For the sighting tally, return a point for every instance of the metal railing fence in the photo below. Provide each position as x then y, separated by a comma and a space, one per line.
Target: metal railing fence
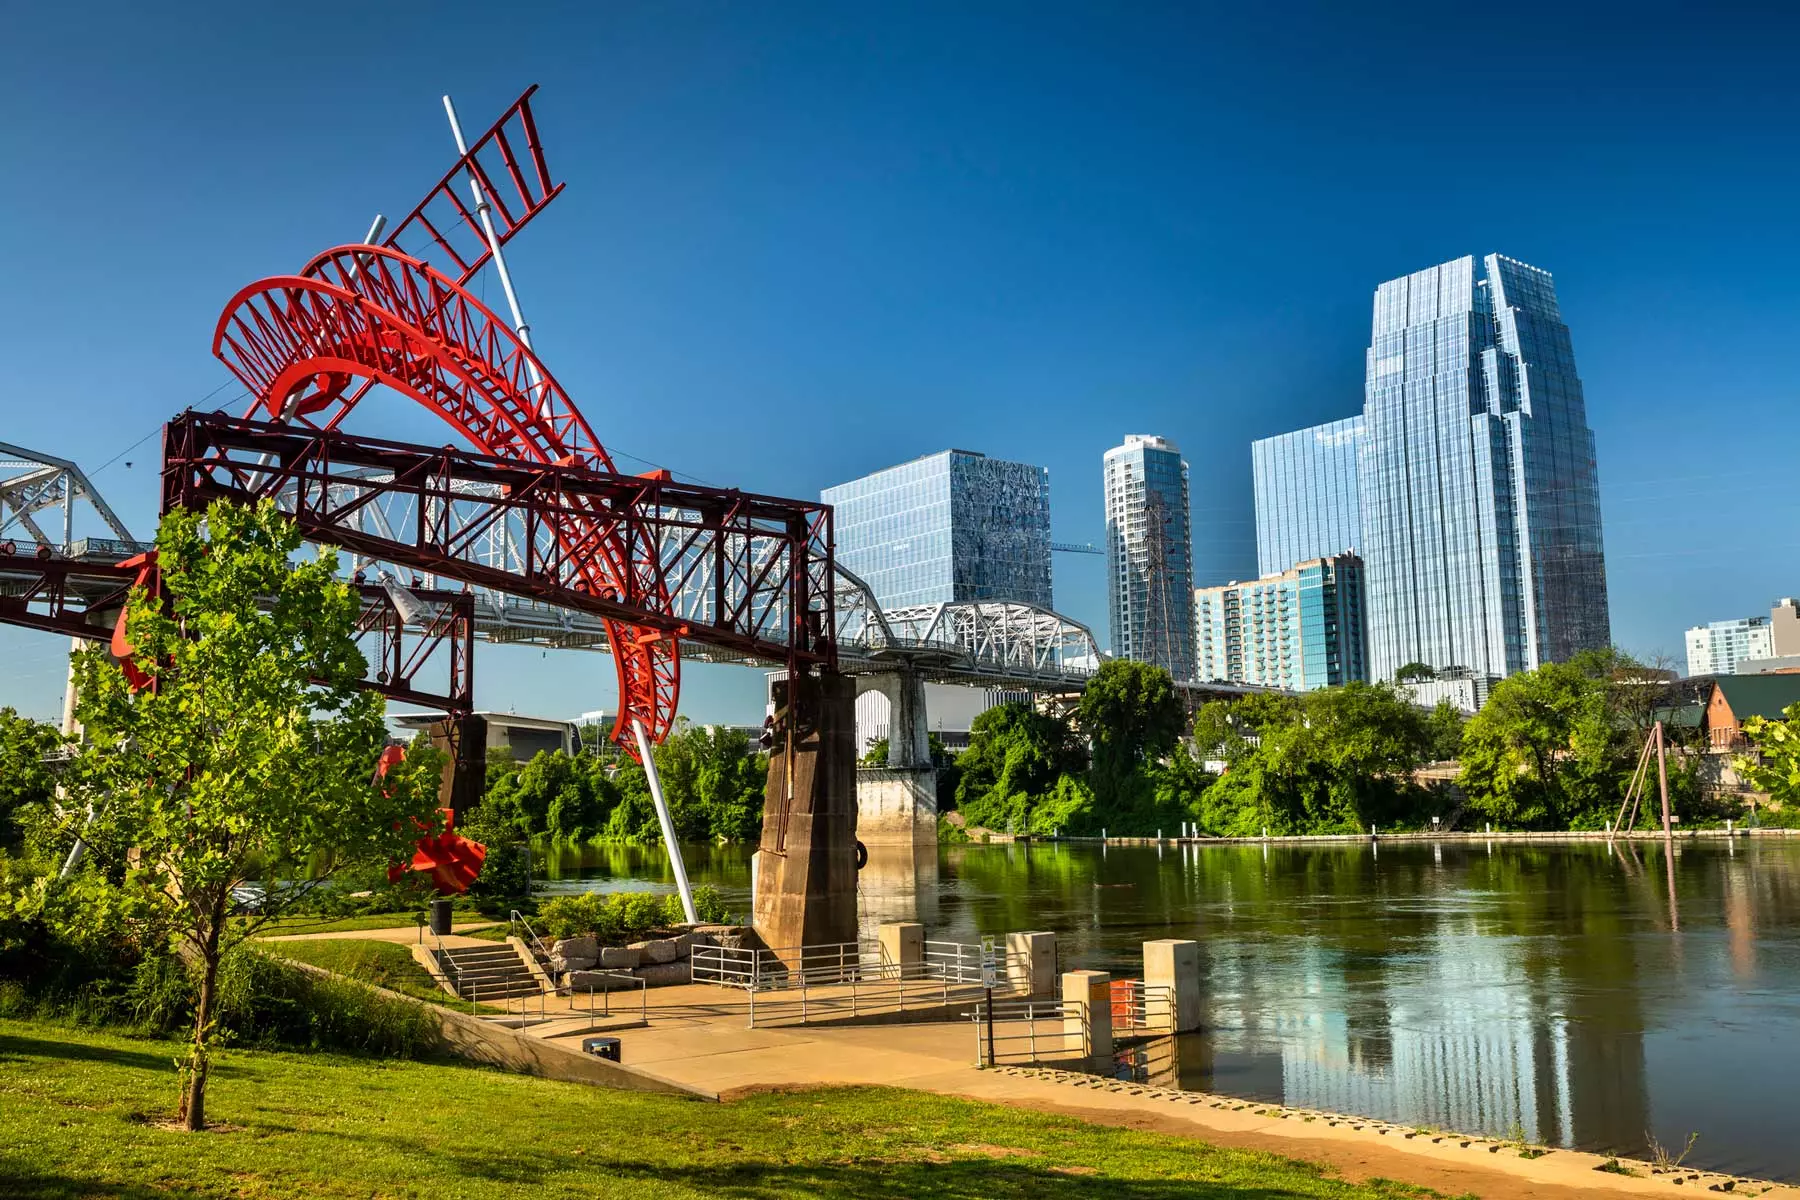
1025, 1031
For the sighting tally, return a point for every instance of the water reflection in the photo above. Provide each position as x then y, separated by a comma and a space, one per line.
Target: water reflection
1578, 994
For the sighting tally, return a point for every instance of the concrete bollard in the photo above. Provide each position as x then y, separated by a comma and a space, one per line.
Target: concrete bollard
1174, 964
1087, 1012
903, 946
1031, 963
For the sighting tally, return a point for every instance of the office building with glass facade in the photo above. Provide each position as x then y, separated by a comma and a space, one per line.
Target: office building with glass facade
950, 527
1149, 554
1307, 503
1299, 629
1479, 491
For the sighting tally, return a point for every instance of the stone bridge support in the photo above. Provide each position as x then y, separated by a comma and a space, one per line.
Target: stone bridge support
805, 870
897, 803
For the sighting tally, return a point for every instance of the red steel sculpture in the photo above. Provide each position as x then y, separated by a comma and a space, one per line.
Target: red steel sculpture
311, 347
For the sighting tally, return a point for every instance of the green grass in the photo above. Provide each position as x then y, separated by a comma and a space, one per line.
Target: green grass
77, 1108
384, 964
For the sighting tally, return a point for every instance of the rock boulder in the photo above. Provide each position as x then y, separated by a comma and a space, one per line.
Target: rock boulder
620, 958
656, 950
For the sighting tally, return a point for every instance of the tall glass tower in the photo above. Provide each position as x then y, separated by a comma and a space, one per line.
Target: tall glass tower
949, 527
1480, 496
1149, 554
1306, 494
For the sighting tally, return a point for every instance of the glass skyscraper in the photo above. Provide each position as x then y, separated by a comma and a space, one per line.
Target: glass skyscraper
1306, 497
1479, 492
1299, 629
1149, 554
950, 527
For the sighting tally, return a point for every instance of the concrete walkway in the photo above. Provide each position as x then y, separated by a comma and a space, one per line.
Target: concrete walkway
698, 1035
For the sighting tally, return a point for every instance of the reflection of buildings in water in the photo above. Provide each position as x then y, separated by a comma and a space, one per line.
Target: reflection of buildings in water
1740, 917
898, 883
1460, 1037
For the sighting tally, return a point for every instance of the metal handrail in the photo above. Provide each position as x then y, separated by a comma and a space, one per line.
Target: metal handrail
1009, 1014
643, 997
516, 918
1147, 1008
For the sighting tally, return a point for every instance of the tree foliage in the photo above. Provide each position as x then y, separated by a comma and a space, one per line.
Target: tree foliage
1336, 760
25, 781
712, 777
253, 756
1555, 747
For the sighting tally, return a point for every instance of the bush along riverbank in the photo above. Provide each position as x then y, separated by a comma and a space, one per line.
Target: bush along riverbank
603, 941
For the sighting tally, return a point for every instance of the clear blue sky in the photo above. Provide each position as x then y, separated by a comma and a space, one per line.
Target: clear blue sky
802, 242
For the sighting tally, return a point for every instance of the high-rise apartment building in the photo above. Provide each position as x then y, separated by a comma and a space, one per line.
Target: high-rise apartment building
1299, 629
1479, 492
1306, 495
1718, 647
949, 527
1149, 554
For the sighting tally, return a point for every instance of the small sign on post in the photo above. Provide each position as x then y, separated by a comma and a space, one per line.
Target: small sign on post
990, 975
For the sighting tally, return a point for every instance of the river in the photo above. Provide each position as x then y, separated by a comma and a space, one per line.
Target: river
1580, 994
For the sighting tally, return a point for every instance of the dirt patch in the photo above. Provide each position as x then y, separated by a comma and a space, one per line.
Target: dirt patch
1074, 1170
211, 1126
987, 1151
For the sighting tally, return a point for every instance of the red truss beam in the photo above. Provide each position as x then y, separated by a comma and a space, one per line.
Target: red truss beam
509, 161
399, 649
737, 571
56, 595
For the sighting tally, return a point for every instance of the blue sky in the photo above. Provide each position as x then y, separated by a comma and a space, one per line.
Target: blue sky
800, 242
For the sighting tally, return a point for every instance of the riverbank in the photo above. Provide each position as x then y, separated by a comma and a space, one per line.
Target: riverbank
83, 1110
1458, 836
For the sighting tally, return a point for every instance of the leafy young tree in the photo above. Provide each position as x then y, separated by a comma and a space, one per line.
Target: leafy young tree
1415, 672
253, 755
24, 779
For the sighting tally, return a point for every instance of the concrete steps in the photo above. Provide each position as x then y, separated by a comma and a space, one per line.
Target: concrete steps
488, 973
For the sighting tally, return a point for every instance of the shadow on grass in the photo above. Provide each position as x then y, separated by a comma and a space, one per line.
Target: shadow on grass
13, 1047
907, 1173
24, 1181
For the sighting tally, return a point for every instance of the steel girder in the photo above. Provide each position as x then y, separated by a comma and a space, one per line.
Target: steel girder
743, 573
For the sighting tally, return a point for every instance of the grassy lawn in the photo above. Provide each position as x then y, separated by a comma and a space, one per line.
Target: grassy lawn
384, 964
76, 1107
309, 924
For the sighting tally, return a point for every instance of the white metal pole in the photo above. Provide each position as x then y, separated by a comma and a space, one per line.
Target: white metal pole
667, 822
484, 214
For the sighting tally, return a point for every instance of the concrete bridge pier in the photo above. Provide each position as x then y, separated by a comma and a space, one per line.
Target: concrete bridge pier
805, 869
897, 803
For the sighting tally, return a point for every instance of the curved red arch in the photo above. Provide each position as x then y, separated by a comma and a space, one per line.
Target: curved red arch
309, 347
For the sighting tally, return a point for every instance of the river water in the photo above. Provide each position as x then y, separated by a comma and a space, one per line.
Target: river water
1579, 994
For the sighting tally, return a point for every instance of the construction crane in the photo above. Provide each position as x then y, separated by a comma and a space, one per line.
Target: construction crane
1074, 548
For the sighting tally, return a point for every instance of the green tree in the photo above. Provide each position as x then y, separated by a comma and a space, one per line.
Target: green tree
1132, 717
1531, 754
1415, 672
1444, 733
252, 757
1016, 757
24, 779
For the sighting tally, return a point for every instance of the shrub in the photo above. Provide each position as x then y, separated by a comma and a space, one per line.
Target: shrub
264, 1001
625, 915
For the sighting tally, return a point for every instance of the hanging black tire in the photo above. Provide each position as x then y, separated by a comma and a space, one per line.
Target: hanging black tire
862, 856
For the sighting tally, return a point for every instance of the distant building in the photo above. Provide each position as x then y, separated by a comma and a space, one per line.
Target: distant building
1307, 503
951, 710
509, 735
1465, 691
1479, 489
1734, 699
1718, 648
950, 527
1300, 629
1149, 554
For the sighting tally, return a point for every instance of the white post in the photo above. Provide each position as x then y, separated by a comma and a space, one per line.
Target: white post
485, 214
667, 823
